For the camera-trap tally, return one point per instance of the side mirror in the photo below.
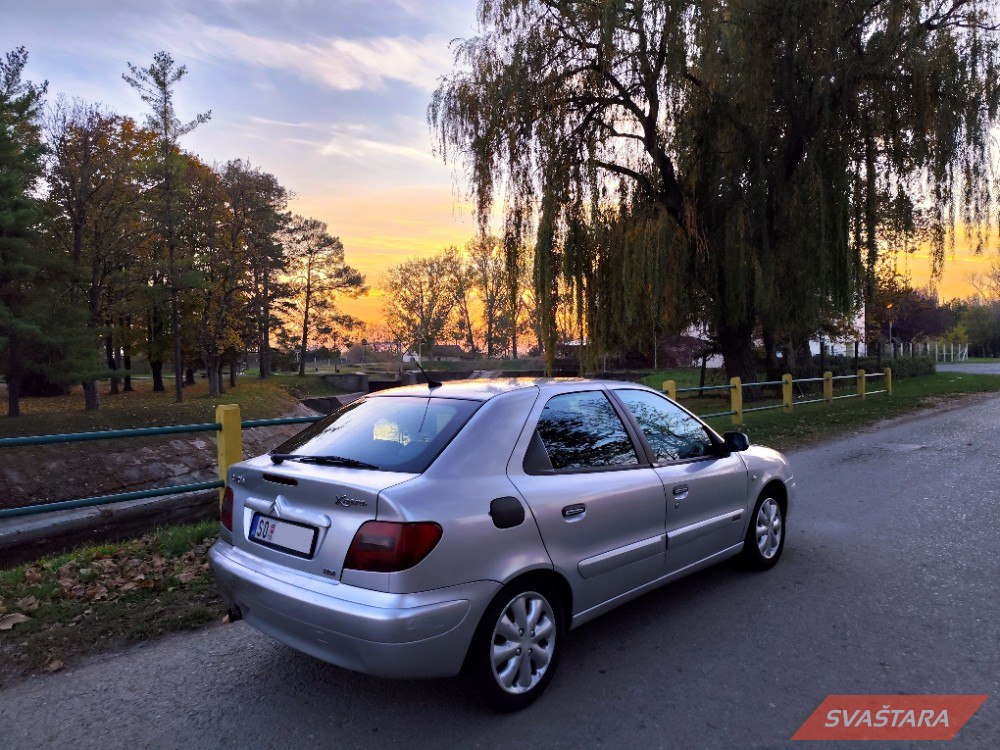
(736, 441)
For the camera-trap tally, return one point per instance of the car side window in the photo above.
(672, 433)
(582, 430)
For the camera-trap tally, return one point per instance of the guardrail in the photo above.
(227, 425)
(788, 403)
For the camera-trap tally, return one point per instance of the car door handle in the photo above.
(573, 511)
(680, 491)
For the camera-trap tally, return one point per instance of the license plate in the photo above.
(286, 536)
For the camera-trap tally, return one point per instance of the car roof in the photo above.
(482, 389)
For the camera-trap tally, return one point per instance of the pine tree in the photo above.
(155, 85)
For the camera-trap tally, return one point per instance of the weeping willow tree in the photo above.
(741, 163)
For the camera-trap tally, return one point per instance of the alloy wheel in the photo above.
(769, 528)
(523, 642)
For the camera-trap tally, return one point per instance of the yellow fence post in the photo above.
(888, 381)
(736, 400)
(787, 394)
(229, 441)
(861, 384)
(828, 387)
(670, 388)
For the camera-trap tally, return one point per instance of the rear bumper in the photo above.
(388, 635)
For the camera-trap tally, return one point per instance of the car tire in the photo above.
(765, 537)
(532, 654)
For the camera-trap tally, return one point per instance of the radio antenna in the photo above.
(431, 383)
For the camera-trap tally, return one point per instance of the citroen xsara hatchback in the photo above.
(429, 530)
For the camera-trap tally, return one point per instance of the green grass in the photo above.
(105, 596)
(258, 399)
(980, 361)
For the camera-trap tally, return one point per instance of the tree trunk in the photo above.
(13, 380)
(232, 372)
(156, 367)
(305, 332)
(127, 354)
(701, 375)
(91, 396)
(802, 359)
(771, 367)
(109, 352)
(265, 329)
(211, 371)
(736, 345)
(189, 376)
(218, 376)
(175, 323)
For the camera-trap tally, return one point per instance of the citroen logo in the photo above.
(348, 502)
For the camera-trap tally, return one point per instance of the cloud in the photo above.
(347, 144)
(353, 140)
(338, 63)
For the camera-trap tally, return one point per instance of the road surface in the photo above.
(890, 583)
(973, 368)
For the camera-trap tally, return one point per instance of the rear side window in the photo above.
(583, 431)
(394, 433)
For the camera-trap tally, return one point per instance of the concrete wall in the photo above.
(349, 381)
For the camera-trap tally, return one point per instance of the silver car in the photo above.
(466, 527)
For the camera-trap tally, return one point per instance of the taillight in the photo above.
(386, 546)
(226, 511)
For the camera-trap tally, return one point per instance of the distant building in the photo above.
(439, 353)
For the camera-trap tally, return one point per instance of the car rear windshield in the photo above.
(393, 433)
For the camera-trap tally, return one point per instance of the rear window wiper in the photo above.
(322, 460)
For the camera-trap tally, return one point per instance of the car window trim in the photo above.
(650, 454)
(641, 454)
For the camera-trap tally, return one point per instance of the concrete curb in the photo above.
(27, 538)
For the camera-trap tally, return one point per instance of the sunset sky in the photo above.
(330, 96)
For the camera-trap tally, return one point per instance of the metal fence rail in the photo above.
(228, 428)
(788, 401)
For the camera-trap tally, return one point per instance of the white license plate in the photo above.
(283, 535)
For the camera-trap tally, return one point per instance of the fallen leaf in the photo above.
(185, 577)
(226, 620)
(55, 665)
(33, 575)
(9, 621)
(28, 603)
(129, 586)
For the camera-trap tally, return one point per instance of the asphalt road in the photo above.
(890, 583)
(976, 368)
